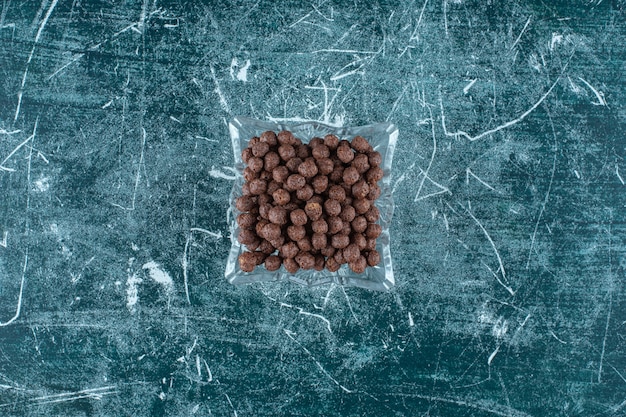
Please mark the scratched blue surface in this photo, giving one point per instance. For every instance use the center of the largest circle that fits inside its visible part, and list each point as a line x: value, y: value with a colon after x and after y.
x: 508, y: 238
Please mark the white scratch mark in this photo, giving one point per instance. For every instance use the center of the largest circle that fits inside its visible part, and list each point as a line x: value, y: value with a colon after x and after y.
x: 242, y: 74
x: 231, y: 404
x: 300, y: 20
x: 291, y: 335
x: 599, y: 95
x: 411, y: 322
x: 217, y: 235
x: 395, y: 104
x: 559, y: 340
x: 5, y: 235
x: 208, y: 371
x: 469, y: 172
x: 418, y: 197
x: 159, y: 276
x: 92, y: 393
x: 344, y: 51
x: 521, y: 33
x: 132, y: 292
x: 7, y: 132
x: 493, y: 355
x: 618, y: 175
x: 606, y: 332
x: 337, y: 77
x: 556, y: 39
x: 218, y: 90
x: 175, y: 119
x: 219, y: 174
x: 207, y: 139
x: 349, y: 304
x: 67, y: 64
x: 107, y: 104
x: 185, y: 263
x: 28, y: 139
x: 468, y: 86
x: 18, y: 308
x: 198, y: 369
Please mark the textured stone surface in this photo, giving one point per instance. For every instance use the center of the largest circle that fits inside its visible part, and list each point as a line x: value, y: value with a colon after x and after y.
x: 509, y: 235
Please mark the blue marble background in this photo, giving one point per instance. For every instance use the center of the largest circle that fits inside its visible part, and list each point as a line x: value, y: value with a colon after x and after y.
x: 509, y: 235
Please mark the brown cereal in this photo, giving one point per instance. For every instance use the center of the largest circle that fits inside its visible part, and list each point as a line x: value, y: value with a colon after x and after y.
x: 373, y: 230
x: 316, y: 199
x: 289, y: 250
x: 255, y: 164
x: 319, y: 226
x: 259, y: 227
x: 334, y: 225
x: 345, y: 154
x: 245, y: 203
x: 328, y: 251
x: 291, y: 265
x: 361, y: 205
x: 374, y: 174
x: 296, y: 233
x: 320, y: 184
x: 332, y: 265
x: 264, y: 199
x: 271, y: 160
x: 346, y: 229
x: 253, y: 142
x: 278, y: 215
x: 305, y: 192
x: 249, y: 174
x: 246, y: 154
x: 319, y: 241
x: 375, y: 158
x: 265, y: 175
x: 260, y: 149
x: 347, y: 213
x: 280, y: 174
x: 286, y: 152
x: 271, y: 231
x: 247, y: 261
x: 372, y: 214
x: 246, y: 236
x: 336, y: 192
x: 246, y: 220
x: 313, y: 210
x: 267, y: 248
x: 281, y: 196
x: 286, y: 137
x: 254, y: 245
x: 359, y: 240
x: 303, y: 151
x: 374, y: 192
x: 359, y: 265
x: 293, y: 164
x: 360, y: 144
x: 360, y: 189
x: 315, y: 142
x: 272, y: 263
x: 305, y: 260
x: 319, y: 262
x: 245, y: 189
x: 361, y: 163
x: 272, y: 186
x: 325, y: 166
x: 373, y: 258
x: 305, y: 244
x: 264, y: 211
x: 340, y: 241
x: 258, y: 186
x: 332, y: 207
x: 277, y: 243
x: 359, y: 224
x: 331, y: 141
x: 338, y: 256
x: 268, y: 137
x: 350, y: 176
x: 298, y: 217
x: 295, y: 182
x: 308, y: 169
x: 321, y: 152
x: 351, y: 253
x: 337, y: 175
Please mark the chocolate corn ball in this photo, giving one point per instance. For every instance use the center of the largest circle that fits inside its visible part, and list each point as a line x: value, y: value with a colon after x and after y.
x: 264, y: 211
x: 245, y: 203
x: 319, y: 240
x: 361, y: 163
x: 255, y: 164
x: 269, y: 137
x: 360, y: 189
x: 337, y: 192
x: 303, y: 151
x: 305, y: 260
x: 373, y: 258
x: 305, y: 193
x: 246, y: 236
x: 325, y: 166
x: 316, y: 199
x: 278, y: 242
x: 320, y: 152
x: 319, y: 226
x: 280, y: 174
x: 247, y: 261
x: 332, y: 265
x: 272, y: 263
x: 286, y: 152
x: 308, y: 169
x: 271, y: 160
x: 313, y: 210
x: 264, y: 199
x: 359, y: 265
x: 305, y: 244
x: 375, y: 158
x: 350, y: 176
x: 361, y: 205
x: 291, y: 265
x: 260, y: 226
x: 331, y: 141
x: 347, y: 213
x: 271, y: 231
x: 291, y: 206
x: 298, y: 217
x: 254, y: 245
x: 265, y: 175
x: 285, y: 137
x: 258, y: 186
x: 295, y: 182
x: 346, y: 229
x: 253, y: 141
x: 338, y: 256
x: 374, y: 192
x: 246, y: 220
x: 246, y: 154
x: 249, y: 174
x: 373, y: 230
x: 293, y: 164
x: 315, y: 142
x: 319, y: 262
x: 265, y: 247
x: 259, y: 149
x: 245, y: 189
x: 351, y: 253
x: 332, y: 207
x: 359, y: 240
x: 296, y: 233
x: 360, y: 144
x: 345, y: 154
x: 340, y: 241
x: 336, y: 176
x: 374, y: 174
x: 272, y: 186
x: 334, y: 225
x: 320, y: 184
x: 281, y: 196
x: 372, y: 214
x: 278, y: 215
x: 289, y: 250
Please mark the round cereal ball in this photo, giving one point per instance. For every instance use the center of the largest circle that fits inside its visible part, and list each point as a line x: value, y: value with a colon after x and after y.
x: 265, y: 175
x: 319, y: 240
x: 277, y: 215
x: 305, y: 260
x: 345, y: 154
x: 361, y: 163
x: 308, y: 169
x: 295, y: 182
x: 328, y: 251
x: 246, y: 236
x: 247, y: 261
x: 360, y: 189
x: 260, y: 226
x: 249, y: 174
x: 359, y: 240
x: 305, y: 244
x: 246, y: 154
x: 254, y: 245
x: 374, y: 174
x: 359, y: 265
x: 246, y: 220
x: 255, y: 164
x: 264, y: 211
x: 337, y: 192
x: 265, y: 247
x: 319, y: 226
x: 373, y: 230
x: 346, y: 229
x: 272, y: 263
x: 245, y: 203
x: 351, y: 253
x: 296, y: 233
x: 278, y: 242
x: 338, y: 256
x: 359, y: 224
x: 319, y: 262
x: 372, y: 214
x: 281, y: 196
x: 374, y: 192
x: 332, y: 265
x: 271, y: 160
x: 291, y: 265
x: 293, y: 164
x: 320, y: 184
x: 361, y: 205
x: 347, y: 213
x: 289, y: 250
x: 337, y: 175
x: 286, y: 152
x: 334, y: 225
x: 264, y: 199
x: 298, y: 217
x: 375, y: 158
x: 271, y: 231
x: 373, y: 258
x: 316, y: 199
x: 285, y: 137
x: 351, y: 176
x: 360, y: 144
x: 315, y: 142
x: 258, y: 186
x: 325, y: 166
x: 313, y: 210
x: 272, y: 186
x: 332, y: 207
x: 303, y: 151
x: 268, y: 137
x: 340, y: 241
x: 280, y: 174
x: 320, y: 152
x: 292, y: 205
x: 245, y: 189
x: 253, y: 141
x: 305, y: 192
x: 259, y: 149
x: 331, y: 141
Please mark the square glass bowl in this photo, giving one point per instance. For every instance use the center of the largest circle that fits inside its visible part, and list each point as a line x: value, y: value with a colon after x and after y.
x: 383, y: 138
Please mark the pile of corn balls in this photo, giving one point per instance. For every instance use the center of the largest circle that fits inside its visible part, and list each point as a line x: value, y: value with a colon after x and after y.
x: 309, y: 206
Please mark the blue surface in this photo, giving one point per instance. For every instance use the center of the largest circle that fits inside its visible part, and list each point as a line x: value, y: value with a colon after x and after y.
x: 508, y: 238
